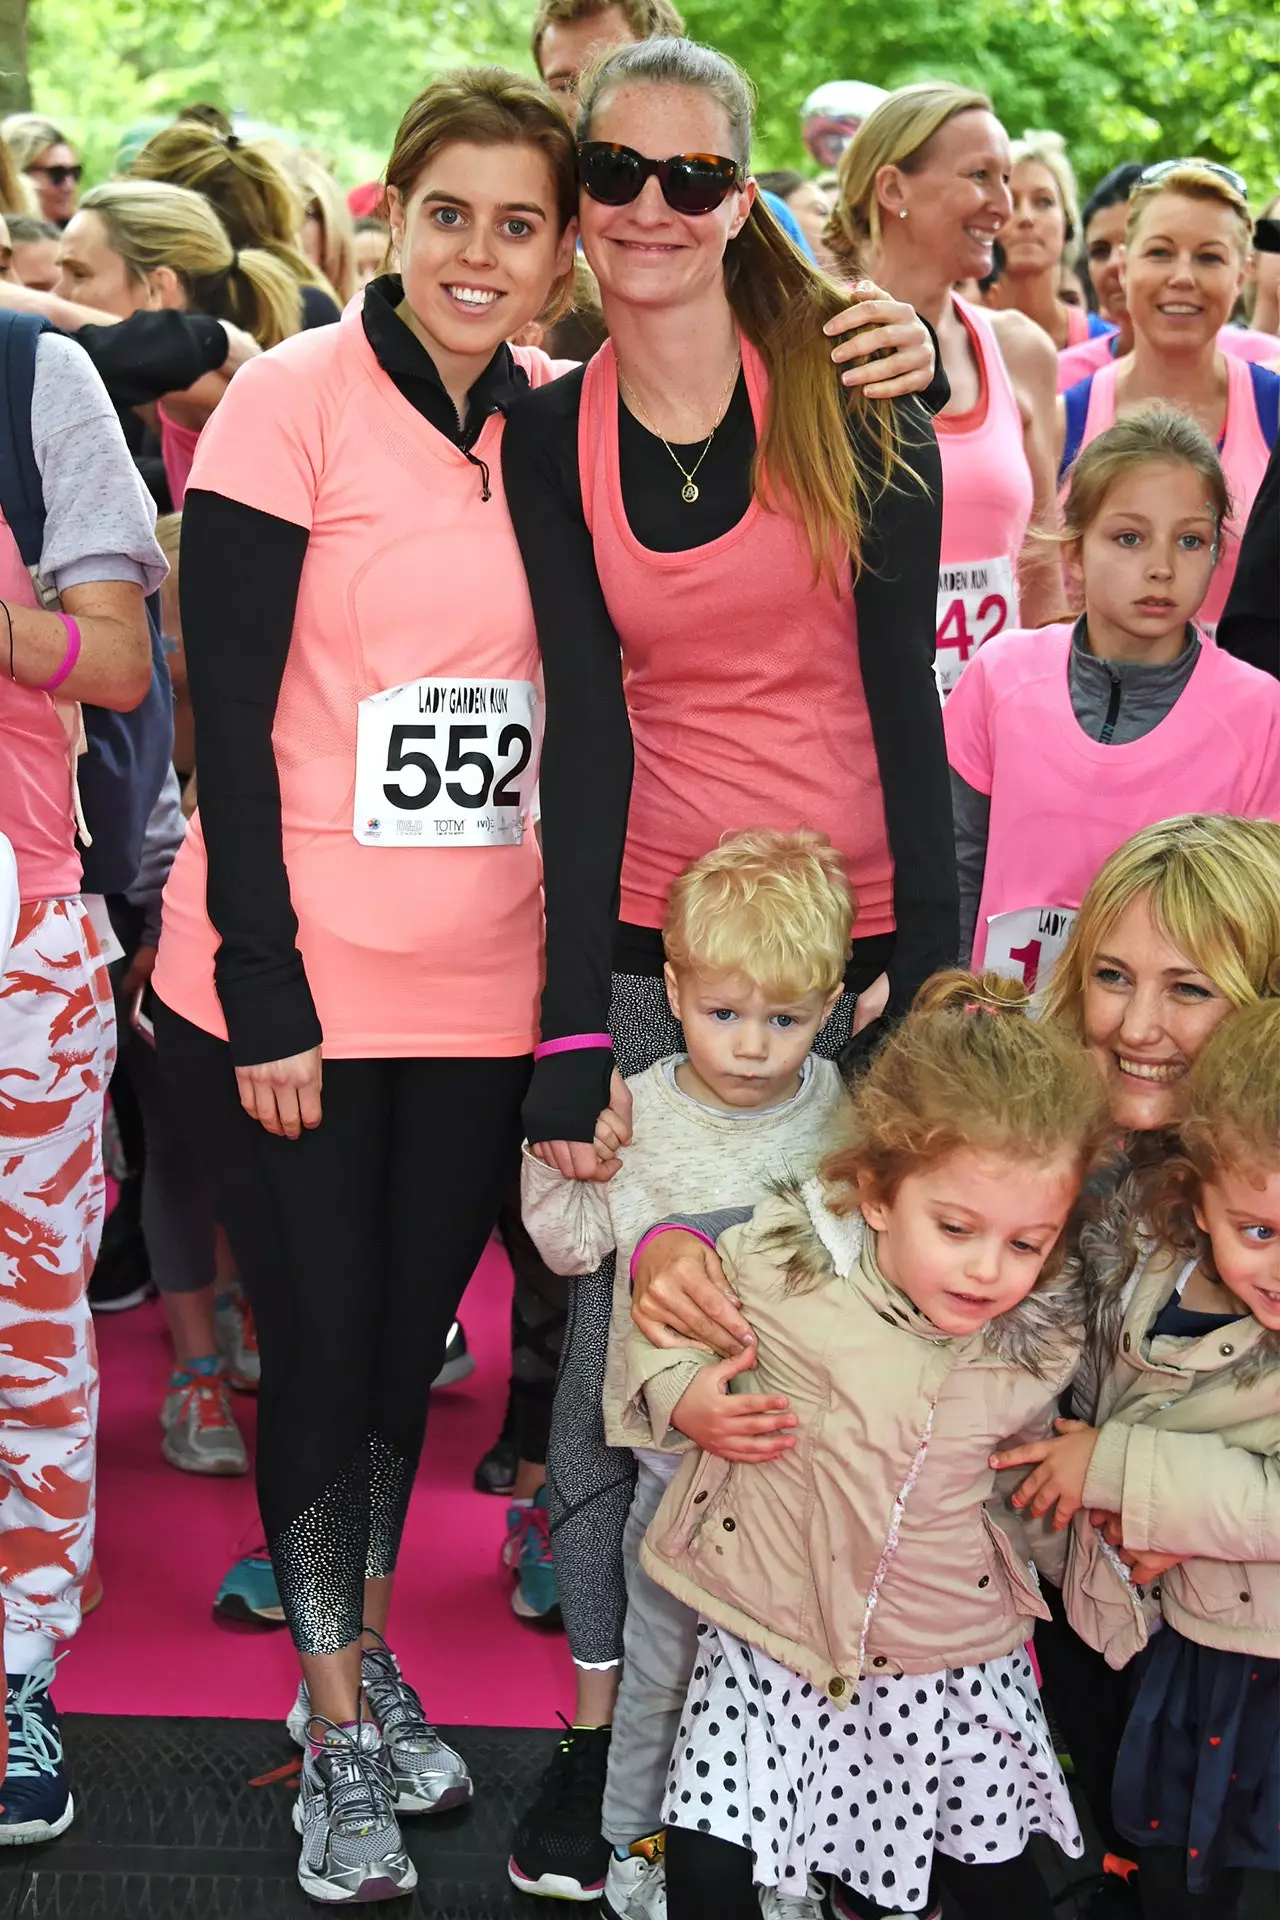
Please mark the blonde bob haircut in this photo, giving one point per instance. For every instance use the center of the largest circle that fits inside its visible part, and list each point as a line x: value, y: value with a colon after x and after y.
x: 324, y: 201
x: 968, y: 1070
x: 1193, y: 181
x: 896, y: 134
x: 773, y: 907
x: 152, y: 225
x: 1049, y: 150
x: 805, y: 464
x: 1212, y: 883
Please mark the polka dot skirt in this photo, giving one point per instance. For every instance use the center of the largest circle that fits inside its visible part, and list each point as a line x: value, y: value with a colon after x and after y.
x: 960, y: 1761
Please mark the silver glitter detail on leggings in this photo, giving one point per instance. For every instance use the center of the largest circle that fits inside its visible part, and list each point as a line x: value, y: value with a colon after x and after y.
x: 390, y: 1484
x: 319, y: 1563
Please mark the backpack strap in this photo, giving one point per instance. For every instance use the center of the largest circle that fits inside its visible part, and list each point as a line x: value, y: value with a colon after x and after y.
x: 1077, y: 404
x: 21, y: 494
x: 1266, y: 400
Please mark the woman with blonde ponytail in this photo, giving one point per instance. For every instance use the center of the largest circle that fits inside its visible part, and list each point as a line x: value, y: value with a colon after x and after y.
x: 708, y: 517
x: 138, y: 244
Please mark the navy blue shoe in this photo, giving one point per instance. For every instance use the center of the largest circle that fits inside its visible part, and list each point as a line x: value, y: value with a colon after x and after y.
x: 35, y: 1800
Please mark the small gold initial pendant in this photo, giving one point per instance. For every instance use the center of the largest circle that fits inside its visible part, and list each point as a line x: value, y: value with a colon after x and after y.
x: 688, y: 493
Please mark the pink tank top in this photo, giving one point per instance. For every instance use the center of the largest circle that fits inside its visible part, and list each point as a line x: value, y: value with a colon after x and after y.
x: 178, y: 450
x: 743, y: 682
x: 37, y: 796
x: 1077, y: 326
x: 987, y: 499
x: 1243, y: 343
x: 1244, y: 454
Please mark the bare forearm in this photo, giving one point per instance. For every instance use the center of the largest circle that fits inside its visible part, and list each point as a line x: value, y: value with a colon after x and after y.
x: 67, y: 314
x: 114, y: 664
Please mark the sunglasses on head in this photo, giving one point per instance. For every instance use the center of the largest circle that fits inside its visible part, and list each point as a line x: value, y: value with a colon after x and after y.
x: 1152, y: 176
x: 690, y: 182
x: 58, y: 176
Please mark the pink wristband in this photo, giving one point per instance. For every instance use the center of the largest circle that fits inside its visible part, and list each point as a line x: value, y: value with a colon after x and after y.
x: 666, y: 1226
x: 69, y: 658
x: 572, y: 1043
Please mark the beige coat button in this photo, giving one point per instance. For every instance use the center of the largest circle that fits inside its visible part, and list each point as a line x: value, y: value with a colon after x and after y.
x: 835, y: 1687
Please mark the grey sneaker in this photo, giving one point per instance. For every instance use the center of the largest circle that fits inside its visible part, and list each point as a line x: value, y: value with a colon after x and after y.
x: 200, y: 1431
x: 351, y: 1845
x: 238, y: 1341
x: 635, y: 1889
x: 427, y: 1775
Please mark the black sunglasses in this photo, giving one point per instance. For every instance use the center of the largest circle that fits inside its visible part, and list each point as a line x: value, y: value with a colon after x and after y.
x: 58, y: 176
x: 690, y: 182
x: 1266, y: 234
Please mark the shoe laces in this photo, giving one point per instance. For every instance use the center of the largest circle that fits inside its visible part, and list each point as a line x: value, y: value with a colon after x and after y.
x: 539, y: 1525
x: 356, y: 1790
x: 576, y: 1773
x: 35, y: 1747
x: 396, y: 1705
x: 206, y: 1396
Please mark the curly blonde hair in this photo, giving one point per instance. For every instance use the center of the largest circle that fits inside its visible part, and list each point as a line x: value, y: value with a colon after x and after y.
x: 774, y: 907
x: 968, y: 1069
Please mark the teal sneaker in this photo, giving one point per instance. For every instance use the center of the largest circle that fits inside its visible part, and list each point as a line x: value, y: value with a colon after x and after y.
x: 527, y: 1551
x: 248, y: 1596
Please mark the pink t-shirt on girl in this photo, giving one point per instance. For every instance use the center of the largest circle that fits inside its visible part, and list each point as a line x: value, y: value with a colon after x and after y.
x: 1062, y: 803
x: 410, y: 949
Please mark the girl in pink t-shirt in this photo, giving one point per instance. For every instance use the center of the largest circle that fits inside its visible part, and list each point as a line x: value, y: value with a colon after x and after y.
x: 1066, y: 741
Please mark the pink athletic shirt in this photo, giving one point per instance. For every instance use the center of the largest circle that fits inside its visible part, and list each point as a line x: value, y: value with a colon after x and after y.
x: 178, y: 450
x: 1062, y: 803
x: 1244, y: 454
x: 37, y: 796
x: 410, y: 951
x: 1078, y: 362
x: 987, y: 497
x: 744, y: 612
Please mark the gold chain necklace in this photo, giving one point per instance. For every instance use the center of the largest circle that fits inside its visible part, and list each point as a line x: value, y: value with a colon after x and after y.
x: 688, y: 492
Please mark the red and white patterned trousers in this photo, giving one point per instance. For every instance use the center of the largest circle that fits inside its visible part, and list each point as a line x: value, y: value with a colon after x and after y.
x: 57, y: 1047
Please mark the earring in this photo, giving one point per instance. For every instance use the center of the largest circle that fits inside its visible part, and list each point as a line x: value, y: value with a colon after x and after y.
x: 902, y: 213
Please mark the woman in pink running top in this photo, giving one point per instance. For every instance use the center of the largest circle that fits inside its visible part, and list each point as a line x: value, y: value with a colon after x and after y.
x: 924, y: 190
x: 1188, y: 236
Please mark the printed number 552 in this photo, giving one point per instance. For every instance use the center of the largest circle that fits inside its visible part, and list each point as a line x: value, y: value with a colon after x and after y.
x: 404, y: 754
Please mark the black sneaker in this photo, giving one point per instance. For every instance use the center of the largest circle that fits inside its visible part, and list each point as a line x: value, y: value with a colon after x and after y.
x: 458, y: 1363
x: 1109, y: 1896
x: 36, y: 1796
x: 496, y: 1471
x: 559, y: 1851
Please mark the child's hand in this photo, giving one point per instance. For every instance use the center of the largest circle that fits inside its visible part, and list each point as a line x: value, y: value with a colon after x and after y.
x: 613, y: 1130
x: 1062, y: 1466
x: 734, y: 1426
x: 1144, y: 1567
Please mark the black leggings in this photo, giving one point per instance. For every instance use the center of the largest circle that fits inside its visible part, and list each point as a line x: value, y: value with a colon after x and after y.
x: 354, y: 1244
x: 1162, y: 1882
x: 1090, y: 1703
x: 710, y: 1876
x: 539, y: 1310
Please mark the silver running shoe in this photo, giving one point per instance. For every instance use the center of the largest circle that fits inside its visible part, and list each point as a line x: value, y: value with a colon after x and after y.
x: 427, y: 1775
x: 351, y: 1845
x: 200, y: 1431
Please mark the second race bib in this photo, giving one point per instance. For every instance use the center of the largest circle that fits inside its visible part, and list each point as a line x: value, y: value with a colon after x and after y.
x: 447, y: 763
x: 976, y: 601
x: 1028, y: 944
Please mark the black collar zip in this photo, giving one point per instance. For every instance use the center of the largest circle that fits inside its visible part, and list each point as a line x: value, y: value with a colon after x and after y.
x: 412, y: 371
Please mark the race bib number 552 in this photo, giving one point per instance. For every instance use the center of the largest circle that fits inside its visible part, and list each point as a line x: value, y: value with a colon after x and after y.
x: 446, y: 763
x: 976, y: 601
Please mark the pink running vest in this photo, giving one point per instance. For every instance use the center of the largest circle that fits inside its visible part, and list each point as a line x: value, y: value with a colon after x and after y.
x: 1243, y: 343
x: 1244, y: 454
x: 37, y: 795
x: 743, y: 682
x: 987, y: 499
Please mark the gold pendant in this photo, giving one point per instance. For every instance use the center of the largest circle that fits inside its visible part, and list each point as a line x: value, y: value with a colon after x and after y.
x: 688, y: 493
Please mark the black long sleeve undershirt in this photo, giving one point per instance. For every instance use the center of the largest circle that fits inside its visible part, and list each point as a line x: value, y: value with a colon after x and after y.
x: 584, y: 812
x: 150, y: 354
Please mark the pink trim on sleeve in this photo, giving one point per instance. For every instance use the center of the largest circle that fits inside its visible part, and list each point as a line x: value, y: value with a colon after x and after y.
x: 667, y: 1226
x: 572, y: 1043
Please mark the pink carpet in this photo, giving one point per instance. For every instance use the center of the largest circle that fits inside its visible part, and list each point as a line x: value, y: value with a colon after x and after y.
x: 166, y: 1538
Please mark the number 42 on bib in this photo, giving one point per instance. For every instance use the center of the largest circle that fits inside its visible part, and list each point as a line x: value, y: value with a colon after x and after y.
x: 447, y: 763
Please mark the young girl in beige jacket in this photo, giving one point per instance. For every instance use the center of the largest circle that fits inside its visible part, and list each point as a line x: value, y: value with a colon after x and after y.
x: 1172, y: 1492
x: 862, y: 1701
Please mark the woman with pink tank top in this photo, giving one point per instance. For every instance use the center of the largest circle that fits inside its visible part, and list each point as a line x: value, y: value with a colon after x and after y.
x: 98, y: 553
x: 1187, y: 238
x: 924, y: 190
x: 685, y: 507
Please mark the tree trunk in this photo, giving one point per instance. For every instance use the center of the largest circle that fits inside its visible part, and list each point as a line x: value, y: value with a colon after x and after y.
x: 15, y: 88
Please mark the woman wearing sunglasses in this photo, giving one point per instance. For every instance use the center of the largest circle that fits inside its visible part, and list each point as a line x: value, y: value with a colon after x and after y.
x: 752, y: 553
x: 43, y: 153
x: 1187, y: 240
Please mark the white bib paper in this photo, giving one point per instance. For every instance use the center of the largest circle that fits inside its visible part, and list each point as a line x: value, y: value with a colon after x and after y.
x: 447, y: 763
x: 1027, y: 944
x: 975, y: 602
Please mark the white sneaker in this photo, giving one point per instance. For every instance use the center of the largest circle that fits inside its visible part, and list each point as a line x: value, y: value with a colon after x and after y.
x: 635, y: 1889
x: 785, y: 1906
